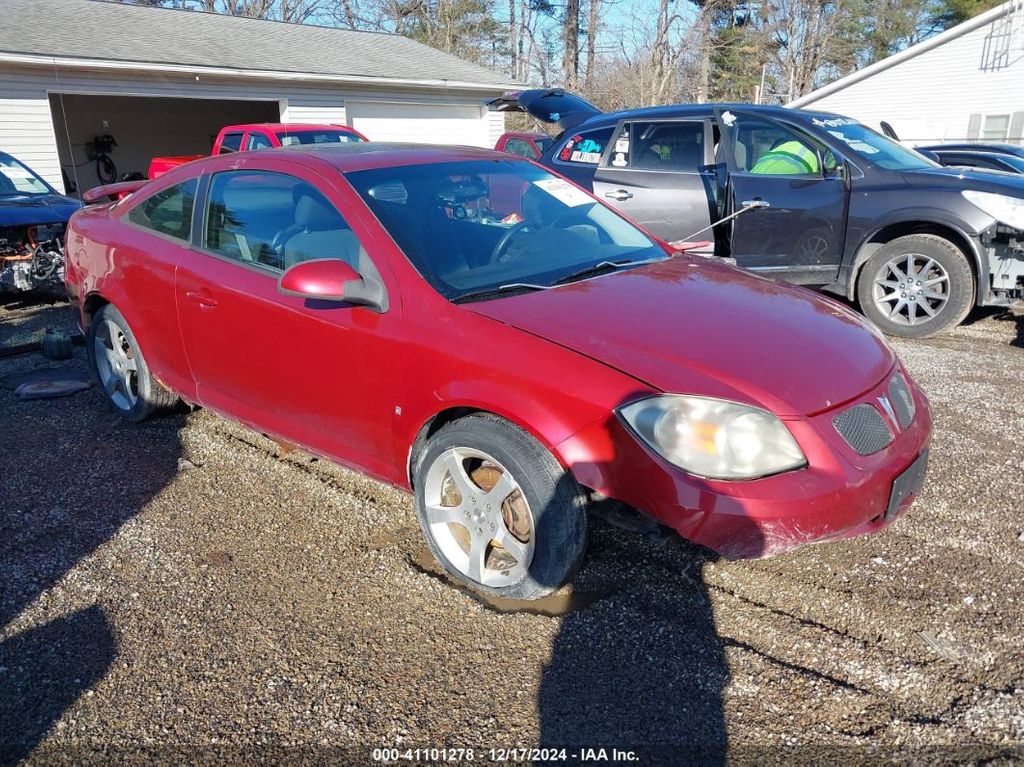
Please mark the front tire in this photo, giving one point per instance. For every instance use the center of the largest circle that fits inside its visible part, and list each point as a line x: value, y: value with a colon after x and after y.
x: 497, y: 510
x: 916, y: 286
x: 120, y: 368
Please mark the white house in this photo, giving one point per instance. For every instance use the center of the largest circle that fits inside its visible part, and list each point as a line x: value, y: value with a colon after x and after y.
x: 164, y: 81
x: 966, y: 83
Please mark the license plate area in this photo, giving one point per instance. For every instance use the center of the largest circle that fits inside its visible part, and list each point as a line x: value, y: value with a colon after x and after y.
x: 906, y: 484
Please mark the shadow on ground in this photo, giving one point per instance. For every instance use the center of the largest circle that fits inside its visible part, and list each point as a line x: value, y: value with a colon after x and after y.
x: 661, y: 696
x: 62, y: 503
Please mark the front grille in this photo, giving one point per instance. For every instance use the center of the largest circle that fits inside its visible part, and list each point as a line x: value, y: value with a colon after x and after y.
x: 863, y: 428
x: 902, y: 402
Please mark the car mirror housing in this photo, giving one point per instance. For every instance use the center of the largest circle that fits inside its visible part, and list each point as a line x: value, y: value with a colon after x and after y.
x: 332, y: 280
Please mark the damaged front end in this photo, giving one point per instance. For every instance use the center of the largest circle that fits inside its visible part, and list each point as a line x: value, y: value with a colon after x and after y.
x: 31, y: 256
x: 1005, y: 247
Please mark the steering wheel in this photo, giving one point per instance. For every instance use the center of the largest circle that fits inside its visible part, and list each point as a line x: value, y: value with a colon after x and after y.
x: 506, y: 239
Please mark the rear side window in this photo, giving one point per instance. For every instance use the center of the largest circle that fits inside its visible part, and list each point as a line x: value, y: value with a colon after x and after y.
x: 669, y: 146
x: 257, y: 141
x: 520, y: 147
x: 275, y: 220
x: 232, y: 142
x: 585, y: 147
x: 168, y: 212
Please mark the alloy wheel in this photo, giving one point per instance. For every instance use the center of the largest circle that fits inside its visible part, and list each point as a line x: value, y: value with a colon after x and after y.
x: 911, y: 289
x: 478, y: 517
x: 117, y: 365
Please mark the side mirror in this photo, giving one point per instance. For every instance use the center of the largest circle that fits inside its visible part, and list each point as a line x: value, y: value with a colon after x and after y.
x: 833, y: 166
x: 930, y: 155
x: 333, y: 280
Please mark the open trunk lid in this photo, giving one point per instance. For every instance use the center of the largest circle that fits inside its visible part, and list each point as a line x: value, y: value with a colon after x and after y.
x: 549, y: 105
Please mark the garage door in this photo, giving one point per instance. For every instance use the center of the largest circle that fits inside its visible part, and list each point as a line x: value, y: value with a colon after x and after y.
x: 419, y: 123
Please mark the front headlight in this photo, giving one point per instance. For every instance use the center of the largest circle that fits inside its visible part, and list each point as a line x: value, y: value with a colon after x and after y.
x: 1002, y: 207
x: 714, y: 438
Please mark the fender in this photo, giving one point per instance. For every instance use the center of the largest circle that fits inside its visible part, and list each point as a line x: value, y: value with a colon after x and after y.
x: 966, y: 232
x: 550, y: 426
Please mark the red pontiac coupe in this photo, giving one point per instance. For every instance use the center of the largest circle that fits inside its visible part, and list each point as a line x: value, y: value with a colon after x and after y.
x: 508, y: 362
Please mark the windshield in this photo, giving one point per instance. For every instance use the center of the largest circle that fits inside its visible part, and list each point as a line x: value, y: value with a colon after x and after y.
x: 873, y: 147
x: 292, y: 138
x: 471, y: 227
x: 16, y: 178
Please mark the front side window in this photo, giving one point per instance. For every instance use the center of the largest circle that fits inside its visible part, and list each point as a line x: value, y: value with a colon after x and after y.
x: 168, y: 212
x: 766, y: 148
x: 275, y: 221
x: 16, y: 178
x: 473, y: 227
x: 585, y: 148
x: 669, y: 146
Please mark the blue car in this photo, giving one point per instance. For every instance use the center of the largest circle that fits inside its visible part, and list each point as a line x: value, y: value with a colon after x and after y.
x: 33, y: 216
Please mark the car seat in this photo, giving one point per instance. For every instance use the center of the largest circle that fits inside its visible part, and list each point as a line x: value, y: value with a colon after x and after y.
x: 320, y: 232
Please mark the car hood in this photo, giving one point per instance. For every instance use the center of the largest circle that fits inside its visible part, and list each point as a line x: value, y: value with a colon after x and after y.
x: 963, y: 178
x: 689, y: 325
x: 27, y: 209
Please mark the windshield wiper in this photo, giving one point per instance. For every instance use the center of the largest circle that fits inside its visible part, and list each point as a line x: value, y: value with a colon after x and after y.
x: 601, y: 268
x: 512, y: 287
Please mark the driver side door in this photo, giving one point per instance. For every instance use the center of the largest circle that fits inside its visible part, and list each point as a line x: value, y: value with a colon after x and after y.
x: 311, y: 372
x: 800, y: 232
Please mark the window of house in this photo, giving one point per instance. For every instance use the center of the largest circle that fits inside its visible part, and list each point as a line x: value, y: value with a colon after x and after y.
x: 167, y: 212
x: 995, y: 128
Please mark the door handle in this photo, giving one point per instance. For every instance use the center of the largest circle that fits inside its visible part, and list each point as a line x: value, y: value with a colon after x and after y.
x: 201, y: 297
x: 757, y: 202
x: 619, y: 194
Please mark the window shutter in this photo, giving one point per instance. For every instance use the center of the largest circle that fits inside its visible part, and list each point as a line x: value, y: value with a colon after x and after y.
x: 1016, y: 126
x: 974, y: 126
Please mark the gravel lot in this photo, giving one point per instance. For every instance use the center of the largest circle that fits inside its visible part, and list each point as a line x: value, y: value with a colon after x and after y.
x: 180, y: 590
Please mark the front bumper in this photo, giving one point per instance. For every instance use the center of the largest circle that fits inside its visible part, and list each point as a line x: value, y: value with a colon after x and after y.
x: 840, y: 494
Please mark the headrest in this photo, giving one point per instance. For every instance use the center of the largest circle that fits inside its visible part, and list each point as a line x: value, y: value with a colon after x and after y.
x: 315, y: 215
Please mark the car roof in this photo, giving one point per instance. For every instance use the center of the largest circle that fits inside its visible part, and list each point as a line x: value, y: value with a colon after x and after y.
x: 382, y: 154
x: 993, y: 148
x: 525, y: 134
x: 288, y: 126
x: 699, y: 110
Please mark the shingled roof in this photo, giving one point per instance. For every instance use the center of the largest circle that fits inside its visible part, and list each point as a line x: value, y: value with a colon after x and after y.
x: 114, y: 32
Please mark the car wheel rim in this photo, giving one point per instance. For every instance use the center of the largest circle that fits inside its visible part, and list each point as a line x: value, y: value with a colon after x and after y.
x: 911, y: 289
x: 478, y: 517
x: 117, y: 365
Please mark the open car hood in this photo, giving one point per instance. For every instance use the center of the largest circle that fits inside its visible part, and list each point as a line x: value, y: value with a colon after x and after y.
x: 549, y: 105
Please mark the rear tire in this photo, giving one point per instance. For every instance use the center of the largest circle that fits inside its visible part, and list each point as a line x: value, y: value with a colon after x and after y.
x: 117, y: 362
x: 497, y: 510
x: 916, y: 286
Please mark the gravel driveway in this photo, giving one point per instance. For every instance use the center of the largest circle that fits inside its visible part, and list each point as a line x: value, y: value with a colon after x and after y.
x: 186, y: 589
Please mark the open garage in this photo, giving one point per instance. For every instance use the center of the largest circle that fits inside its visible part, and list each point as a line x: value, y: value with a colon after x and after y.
x: 162, y: 81
x: 141, y: 127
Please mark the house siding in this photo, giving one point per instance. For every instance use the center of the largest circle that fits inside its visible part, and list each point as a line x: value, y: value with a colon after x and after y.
x: 27, y: 127
x: 932, y: 96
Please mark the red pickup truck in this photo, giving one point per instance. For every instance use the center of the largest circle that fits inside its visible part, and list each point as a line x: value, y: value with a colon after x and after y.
x: 247, y: 138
